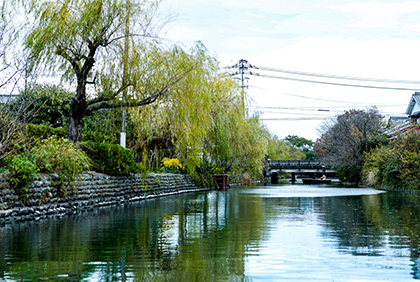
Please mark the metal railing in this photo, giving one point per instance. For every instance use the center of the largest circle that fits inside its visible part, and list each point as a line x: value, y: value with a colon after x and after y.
x: 296, y: 164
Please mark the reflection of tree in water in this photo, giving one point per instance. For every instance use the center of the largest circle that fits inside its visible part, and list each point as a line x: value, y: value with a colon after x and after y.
x: 347, y: 221
x: 202, y: 236
x: 376, y: 224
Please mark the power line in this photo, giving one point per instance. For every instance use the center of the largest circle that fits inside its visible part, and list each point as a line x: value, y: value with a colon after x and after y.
x: 317, y: 108
x: 244, y: 68
x: 339, y: 76
x: 329, y: 100
x: 294, y: 113
x: 294, y: 119
x: 336, y: 84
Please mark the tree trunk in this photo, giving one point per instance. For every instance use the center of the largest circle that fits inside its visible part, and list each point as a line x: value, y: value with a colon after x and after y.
x: 77, y: 113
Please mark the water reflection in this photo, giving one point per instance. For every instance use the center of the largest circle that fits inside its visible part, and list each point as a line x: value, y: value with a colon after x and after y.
x: 257, y: 233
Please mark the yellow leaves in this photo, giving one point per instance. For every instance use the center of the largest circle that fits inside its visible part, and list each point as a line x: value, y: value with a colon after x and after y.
x: 355, y: 133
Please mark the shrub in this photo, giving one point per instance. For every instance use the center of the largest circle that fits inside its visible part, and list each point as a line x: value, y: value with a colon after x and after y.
x: 110, y: 158
x: 203, y: 174
x: 396, y: 164
x: 100, y: 126
x: 61, y: 156
x: 43, y: 131
x: 23, y: 170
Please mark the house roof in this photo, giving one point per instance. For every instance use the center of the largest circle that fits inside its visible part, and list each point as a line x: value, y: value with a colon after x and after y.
x: 393, y: 119
x: 398, y: 126
x: 415, y: 99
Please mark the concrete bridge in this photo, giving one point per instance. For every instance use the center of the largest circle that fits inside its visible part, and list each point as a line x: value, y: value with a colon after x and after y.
x: 301, y: 168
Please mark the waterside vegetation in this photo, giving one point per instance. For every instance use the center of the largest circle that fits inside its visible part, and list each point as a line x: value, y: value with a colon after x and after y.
x: 179, y: 113
x: 358, y: 144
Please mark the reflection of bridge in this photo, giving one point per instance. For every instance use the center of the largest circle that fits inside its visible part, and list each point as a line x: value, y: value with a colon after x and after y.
x: 303, y: 168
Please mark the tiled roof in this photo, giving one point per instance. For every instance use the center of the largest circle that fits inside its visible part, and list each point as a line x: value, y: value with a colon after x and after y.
x: 415, y: 99
x: 400, y: 127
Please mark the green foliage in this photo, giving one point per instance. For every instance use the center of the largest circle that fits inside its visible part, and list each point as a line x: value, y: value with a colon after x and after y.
x: 305, y: 145
x: 204, y: 173
x: 23, y: 170
x: 45, y: 104
x: 12, y: 137
x: 110, y: 158
x: 34, y: 131
x: 283, y: 150
x: 102, y: 127
x: 74, y: 37
x: 396, y: 164
x: 202, y: 118
x: 299, y: 142
x: 350, y: 173
x: 59, y: 155
x: 200, y: 112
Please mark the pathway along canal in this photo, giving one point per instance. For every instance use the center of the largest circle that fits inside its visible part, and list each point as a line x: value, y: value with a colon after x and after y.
x: 256, y: 233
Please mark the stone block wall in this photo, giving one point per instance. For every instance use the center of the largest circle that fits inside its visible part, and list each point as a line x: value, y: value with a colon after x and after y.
x: 45, y: 199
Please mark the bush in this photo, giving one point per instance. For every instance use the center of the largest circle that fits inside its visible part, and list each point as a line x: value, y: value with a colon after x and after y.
x: 396, y: 164
x: 61, y: 156
x: 23, y: 170
x: 110, y: 158
x: 203, y: 174
x: 100, y: 126
x: 43, y: 131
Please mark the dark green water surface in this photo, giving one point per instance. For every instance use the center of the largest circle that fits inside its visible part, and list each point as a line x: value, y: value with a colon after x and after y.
x: 256, y: 233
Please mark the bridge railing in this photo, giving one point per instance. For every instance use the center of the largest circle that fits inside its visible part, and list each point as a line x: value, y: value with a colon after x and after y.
x: 296, y: 164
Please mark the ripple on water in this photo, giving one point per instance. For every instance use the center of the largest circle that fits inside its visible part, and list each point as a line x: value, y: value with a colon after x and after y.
x: 295, y: 191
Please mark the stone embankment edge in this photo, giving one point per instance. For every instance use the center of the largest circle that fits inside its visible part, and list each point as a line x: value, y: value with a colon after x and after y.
x: 95, y: 190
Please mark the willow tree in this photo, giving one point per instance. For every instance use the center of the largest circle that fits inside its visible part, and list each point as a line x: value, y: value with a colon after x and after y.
x: 183, y: 117
x: 235, y: 141
x: 202, y: 118
x: 109, y: 49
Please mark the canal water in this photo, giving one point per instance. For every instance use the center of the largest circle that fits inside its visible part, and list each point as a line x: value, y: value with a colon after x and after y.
x: 255, y: 233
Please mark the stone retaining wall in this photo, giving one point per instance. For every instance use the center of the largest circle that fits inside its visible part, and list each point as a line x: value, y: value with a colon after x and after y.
x: 44, y: 199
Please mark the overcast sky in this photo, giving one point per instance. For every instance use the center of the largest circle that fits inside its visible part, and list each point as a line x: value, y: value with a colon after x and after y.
x: 367, y: 39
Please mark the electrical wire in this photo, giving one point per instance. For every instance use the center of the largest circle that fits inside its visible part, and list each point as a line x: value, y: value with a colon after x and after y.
x: 317, y: 108
x: 291, y: 113
x: 294, y: 119
x: 256, y: 108
x: 339, y: 76
x: 334, y: 83
x: 319, y: 75
x: 334, y: 101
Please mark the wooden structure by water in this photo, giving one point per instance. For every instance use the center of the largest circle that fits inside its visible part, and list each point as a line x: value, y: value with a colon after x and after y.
x: 221, y: 181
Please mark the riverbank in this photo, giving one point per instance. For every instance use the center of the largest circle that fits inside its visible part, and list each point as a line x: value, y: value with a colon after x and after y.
x: 43, y: 199
x: 394, y: 189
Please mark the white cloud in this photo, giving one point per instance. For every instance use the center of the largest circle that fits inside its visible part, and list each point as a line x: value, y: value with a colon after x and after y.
x: 378, y: 14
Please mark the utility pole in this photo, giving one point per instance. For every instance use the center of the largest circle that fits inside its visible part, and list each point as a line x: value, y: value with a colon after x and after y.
x: 243, y: 67
x: 123, y: 136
